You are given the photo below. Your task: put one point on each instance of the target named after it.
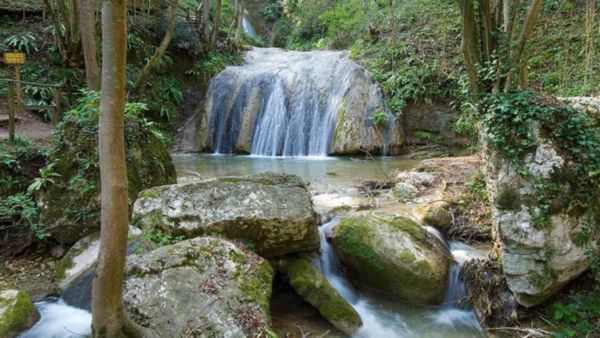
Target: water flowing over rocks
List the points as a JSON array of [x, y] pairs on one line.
[[313, 286], [203, 287], [271, 212], [537, 262], [295, 104], [393, 255], [17, 312]]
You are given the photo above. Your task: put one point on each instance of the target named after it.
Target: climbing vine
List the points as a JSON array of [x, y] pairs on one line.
[[513, 124]]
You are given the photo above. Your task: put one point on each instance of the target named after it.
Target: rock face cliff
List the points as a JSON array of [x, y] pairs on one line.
[[295, 104], [537, 260]]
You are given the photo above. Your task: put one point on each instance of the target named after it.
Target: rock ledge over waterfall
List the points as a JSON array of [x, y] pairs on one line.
[[295, 104]]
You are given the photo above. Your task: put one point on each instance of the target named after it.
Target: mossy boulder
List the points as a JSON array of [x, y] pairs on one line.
[[313, 287], [71, 205], [272, 213], [436, 214], [82, 256], [203, 287], [393, 255], [17, 313]]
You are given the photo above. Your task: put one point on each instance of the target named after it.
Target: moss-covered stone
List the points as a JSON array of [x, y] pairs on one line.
[[508, 198], [272, 213], [311, 285], [393, 255], [437, 215], [71, 205], [201, 285], [17, 313]]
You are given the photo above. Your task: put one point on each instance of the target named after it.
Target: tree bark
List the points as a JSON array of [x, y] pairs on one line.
[[206, 20], [520, 58], [140, 83], [590, 27], [216, 26], [468, 39], [239, 22], [109, 319], [392, 21], [87, 24]]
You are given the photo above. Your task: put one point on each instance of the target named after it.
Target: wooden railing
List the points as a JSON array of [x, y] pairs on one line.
[[17, 104]]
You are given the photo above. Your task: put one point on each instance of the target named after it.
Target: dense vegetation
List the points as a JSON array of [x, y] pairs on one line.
[[412, 49]]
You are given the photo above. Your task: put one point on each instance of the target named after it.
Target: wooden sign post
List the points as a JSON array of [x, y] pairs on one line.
[[16, 59]]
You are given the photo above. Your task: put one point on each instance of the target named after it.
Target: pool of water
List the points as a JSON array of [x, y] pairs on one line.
[[322, 172]]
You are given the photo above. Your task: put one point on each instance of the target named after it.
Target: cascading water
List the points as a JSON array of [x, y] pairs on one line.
[[381, 319], [248, 29], [282, 103]]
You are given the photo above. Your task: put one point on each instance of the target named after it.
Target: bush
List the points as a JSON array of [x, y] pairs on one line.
[[70, 202]]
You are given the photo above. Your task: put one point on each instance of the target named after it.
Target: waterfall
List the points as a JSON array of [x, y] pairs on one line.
[[282, 103], [379, 321], [248, 29]]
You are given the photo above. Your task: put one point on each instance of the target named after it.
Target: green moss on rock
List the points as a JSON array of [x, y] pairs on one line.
[[311, 285], [17, 312], [393, 255], [71, 207]]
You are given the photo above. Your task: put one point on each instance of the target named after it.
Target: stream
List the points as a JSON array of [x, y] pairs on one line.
[[382, 317]]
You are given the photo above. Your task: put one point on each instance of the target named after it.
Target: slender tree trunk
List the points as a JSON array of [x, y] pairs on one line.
[[468, 41], [392, 21], [87, 23], [590, 27], [206, 20], [109, 319], [140, 83], [216, 25], [240, 22]]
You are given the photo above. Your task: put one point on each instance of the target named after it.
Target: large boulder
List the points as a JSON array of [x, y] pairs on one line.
[[82, 256], [393, 255], [324, 103], [313, 287], [203, 287], [70, 204], [272, 213], [17, 313], [538, 259]]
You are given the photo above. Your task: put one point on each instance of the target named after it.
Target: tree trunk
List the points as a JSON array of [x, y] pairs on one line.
[[240, 22], [468, 40], [520, 58], [206, 20], [590, 27], [140, 83], [392, 21], [87, 24], [216, 26], [109, 319]]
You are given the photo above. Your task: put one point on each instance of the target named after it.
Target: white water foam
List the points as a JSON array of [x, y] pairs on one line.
[[59, 320]]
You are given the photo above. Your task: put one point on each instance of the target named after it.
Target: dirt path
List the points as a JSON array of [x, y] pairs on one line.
[[28, 124]]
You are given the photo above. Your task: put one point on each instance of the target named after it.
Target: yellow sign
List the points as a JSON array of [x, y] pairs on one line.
[[14, 58]]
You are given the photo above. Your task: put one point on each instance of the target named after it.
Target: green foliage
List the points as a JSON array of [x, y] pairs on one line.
[[429, 137], [477, 188], [47, 176], [508, 122], [380, 118], [272, 11], [20, 209], [25, 43], [213, 63], [579, 317], [162, 238], [72, 196]]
